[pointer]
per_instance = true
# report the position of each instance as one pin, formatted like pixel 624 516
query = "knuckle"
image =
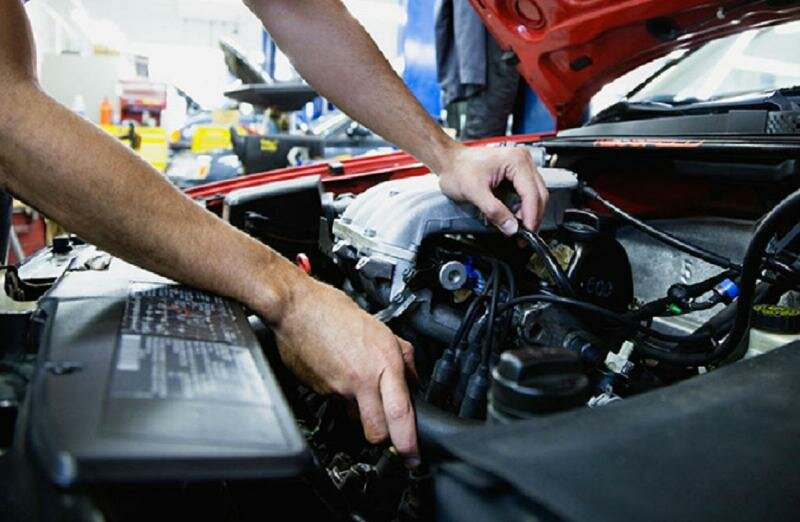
pixel 395 364
pixel 356 378
pixel 526 162
pixel 375 438
pixel 494 209
pixel 398 409
pixel 521 154
pixel 404 448
pixel 375 434
pixel 402 343
pixel 390 362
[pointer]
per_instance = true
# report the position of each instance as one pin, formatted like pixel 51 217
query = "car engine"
pixel 431 268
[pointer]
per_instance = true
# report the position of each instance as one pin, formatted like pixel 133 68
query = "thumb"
pixel 496 212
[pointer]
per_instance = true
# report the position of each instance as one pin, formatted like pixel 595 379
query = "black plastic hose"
pixel 664 237
pixel 488 341
pixel 789 208
pixel 602 312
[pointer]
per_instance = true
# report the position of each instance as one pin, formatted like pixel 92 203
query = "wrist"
pixel 272 290
pixel 443 154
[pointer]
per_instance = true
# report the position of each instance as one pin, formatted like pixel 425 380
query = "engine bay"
pixel 508 332
pixel 597 308
pixel 596 312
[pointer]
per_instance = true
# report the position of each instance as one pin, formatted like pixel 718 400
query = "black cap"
pixel 532 381
pixel 776 319
pixel 61 245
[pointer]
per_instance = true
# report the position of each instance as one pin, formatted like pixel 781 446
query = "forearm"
pixel 339 59
pixel 94 186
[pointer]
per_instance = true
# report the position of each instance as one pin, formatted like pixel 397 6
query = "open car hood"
pixel 568 49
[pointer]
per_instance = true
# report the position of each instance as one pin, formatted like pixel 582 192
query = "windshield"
pixel 753 61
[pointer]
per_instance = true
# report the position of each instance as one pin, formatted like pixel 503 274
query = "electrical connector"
pixel 470 363
pixel 474 404
pixel 443 376
pixel 674 309
pixel 727 290
pixel 475 280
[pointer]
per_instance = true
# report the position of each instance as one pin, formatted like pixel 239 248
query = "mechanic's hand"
pixel 334 346
pixel 473 172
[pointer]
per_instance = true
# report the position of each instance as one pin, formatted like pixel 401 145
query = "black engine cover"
pixel 721 446
pixel 143 380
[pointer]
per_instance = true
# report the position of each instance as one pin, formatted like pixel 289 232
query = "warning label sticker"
pixel 176 311
pixel 154 367
pixel 182 344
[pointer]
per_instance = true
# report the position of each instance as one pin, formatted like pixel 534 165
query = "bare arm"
pixel 86 180
pixel 334 53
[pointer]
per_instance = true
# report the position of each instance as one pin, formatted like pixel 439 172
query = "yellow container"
pixel 150 143
pixel 207 138
pixel 153 146
pixel 119 132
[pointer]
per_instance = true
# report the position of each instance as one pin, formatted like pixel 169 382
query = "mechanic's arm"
pixel 93 185
pixel 333 52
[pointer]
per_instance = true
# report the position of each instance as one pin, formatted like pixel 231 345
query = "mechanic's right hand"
pixel 473 173
pixel 335 347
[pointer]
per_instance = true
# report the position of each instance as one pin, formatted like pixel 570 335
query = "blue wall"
pixel 535 116
pixel 419 51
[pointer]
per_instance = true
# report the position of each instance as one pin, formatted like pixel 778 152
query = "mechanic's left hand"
pixel 336 347
pixel 473 172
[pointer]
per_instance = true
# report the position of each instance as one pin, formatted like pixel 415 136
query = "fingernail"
pixel 509 227
pixel 413 462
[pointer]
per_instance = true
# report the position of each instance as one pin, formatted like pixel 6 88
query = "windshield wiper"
pixel 630 110
pixel 784 99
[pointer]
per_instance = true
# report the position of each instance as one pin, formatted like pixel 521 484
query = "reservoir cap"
pixel 776 319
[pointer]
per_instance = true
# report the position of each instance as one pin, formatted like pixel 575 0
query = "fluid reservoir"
pixel 599 270
pixel 771 327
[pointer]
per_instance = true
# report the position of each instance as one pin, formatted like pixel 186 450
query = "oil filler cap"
pixel 532 381
pixel 776 319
